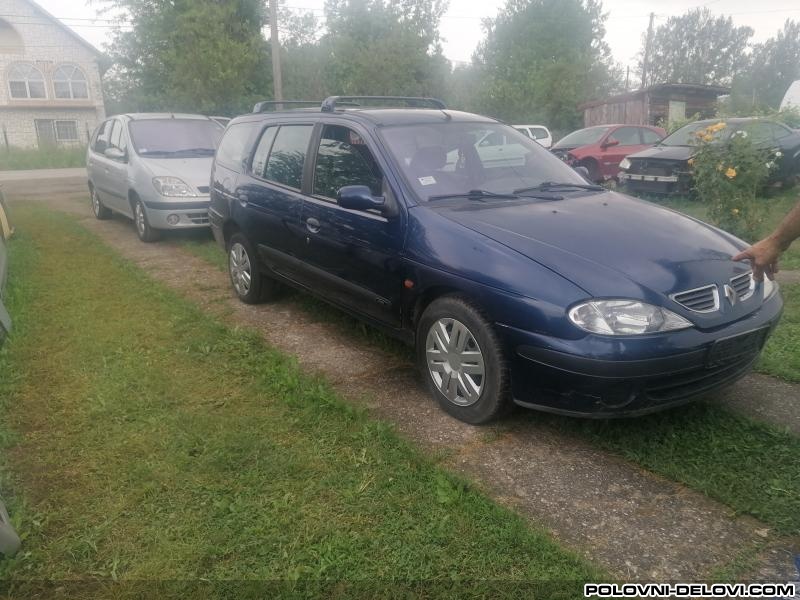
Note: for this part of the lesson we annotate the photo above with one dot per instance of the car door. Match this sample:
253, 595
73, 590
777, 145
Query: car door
116, 169
96, 161
628, 141
352, 256
270, 198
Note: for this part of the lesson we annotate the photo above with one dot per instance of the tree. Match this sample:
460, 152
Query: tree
204, 56
773, 66
696, 48
542, 58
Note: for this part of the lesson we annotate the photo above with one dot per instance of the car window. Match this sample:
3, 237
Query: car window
285, 162
649, 136
626, 136
175, 137
103, 136
759, 133
118, 139
232, 149
582, 137
539, 133
344, 159
779, 131
493, 139
262, 152
523, 130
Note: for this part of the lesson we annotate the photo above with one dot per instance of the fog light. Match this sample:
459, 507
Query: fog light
173, 219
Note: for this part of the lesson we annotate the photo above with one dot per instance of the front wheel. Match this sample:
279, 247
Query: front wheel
143, 229
462, 361
100, 212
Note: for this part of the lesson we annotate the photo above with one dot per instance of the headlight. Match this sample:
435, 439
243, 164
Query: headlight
172, 186
625, 164
770, 287
625, 317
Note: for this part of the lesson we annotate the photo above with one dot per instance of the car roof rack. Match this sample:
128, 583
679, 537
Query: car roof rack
267, 105
331, 102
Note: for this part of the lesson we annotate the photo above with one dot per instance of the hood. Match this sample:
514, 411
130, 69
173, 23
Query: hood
666, 153
609, 244
194, 171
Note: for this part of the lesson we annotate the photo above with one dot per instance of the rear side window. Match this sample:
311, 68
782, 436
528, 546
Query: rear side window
649, 136
539, 133
232, 150
523, 130
103, 134
262, 152
285, 162
118, 139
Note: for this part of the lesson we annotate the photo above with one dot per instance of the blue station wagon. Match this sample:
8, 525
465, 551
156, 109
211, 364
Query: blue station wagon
516, 279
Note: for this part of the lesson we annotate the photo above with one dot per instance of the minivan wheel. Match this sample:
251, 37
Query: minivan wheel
143, 229
100, 211
249, 283
462, 361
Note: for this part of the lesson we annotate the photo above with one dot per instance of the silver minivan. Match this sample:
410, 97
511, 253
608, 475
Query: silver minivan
153, 168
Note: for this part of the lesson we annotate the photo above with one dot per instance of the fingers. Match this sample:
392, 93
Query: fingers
744, 255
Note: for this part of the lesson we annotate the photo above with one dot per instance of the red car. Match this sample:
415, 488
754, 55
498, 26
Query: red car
601, 148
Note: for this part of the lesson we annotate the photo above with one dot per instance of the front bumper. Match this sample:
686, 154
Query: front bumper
655, 184
608, 377
191, 214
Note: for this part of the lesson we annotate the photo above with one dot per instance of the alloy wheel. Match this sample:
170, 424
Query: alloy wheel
455, 361
241, 274
95, 203
141, 224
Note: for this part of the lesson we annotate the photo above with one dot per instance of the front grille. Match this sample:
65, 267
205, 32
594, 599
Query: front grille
198, 218
744, 285
692, 383
652, 167
703, 300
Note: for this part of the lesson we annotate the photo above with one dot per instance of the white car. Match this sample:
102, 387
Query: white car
792, 97
540, 133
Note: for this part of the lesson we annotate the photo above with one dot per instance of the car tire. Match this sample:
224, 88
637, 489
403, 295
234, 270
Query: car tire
462, 361
249, 283
100, 211
593, 168
143, 229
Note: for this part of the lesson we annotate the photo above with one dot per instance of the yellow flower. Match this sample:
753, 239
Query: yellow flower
690, 162
730, 173
717, 127
735, 211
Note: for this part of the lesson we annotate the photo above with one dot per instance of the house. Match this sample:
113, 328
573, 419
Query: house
655, 105
51, 92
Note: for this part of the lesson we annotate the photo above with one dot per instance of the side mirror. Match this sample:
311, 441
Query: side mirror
610, 142
114, 154
359, 197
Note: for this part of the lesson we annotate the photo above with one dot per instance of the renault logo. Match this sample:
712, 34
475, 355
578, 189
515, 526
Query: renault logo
731, 295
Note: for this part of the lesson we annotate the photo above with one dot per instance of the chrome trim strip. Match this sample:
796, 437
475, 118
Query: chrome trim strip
714, 290
750, 291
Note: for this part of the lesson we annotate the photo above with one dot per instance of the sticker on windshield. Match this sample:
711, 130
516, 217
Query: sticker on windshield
429, 180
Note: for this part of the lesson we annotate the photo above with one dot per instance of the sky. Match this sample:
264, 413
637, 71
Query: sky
461, 26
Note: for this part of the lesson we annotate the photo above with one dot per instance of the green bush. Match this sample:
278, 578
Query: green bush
728, 175
52, 157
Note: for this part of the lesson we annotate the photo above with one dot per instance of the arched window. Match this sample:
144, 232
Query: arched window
70, 82
25, 81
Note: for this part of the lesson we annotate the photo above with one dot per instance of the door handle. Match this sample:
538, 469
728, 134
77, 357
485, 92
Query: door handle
243, 199
312, 225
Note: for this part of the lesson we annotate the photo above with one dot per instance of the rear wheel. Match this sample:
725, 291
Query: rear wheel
250, 285
462, 361
100, 211
143, 229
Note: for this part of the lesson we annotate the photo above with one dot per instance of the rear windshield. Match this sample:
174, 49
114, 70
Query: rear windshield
175, 138
583, 137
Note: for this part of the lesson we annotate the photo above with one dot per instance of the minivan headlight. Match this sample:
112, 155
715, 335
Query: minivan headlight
770, 287
625, 317
625, 164
172, 186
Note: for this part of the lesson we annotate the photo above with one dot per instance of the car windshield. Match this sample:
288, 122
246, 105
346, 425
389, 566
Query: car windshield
688, 134
582, 137
448, 159
175, 137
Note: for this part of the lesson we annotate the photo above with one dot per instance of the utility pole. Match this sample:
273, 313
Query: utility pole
276, 51
646, 57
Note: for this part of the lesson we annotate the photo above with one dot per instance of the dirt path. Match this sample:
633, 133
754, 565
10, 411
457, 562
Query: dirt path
633, 523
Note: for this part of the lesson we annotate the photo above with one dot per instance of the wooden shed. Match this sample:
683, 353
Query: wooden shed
653, 105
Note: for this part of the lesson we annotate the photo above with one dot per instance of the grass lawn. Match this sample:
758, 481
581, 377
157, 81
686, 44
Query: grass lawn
704, 446
44, 158
145, 441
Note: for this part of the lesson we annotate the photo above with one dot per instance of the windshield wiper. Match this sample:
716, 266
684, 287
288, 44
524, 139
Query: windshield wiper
483, 194
552, 185
474, 195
